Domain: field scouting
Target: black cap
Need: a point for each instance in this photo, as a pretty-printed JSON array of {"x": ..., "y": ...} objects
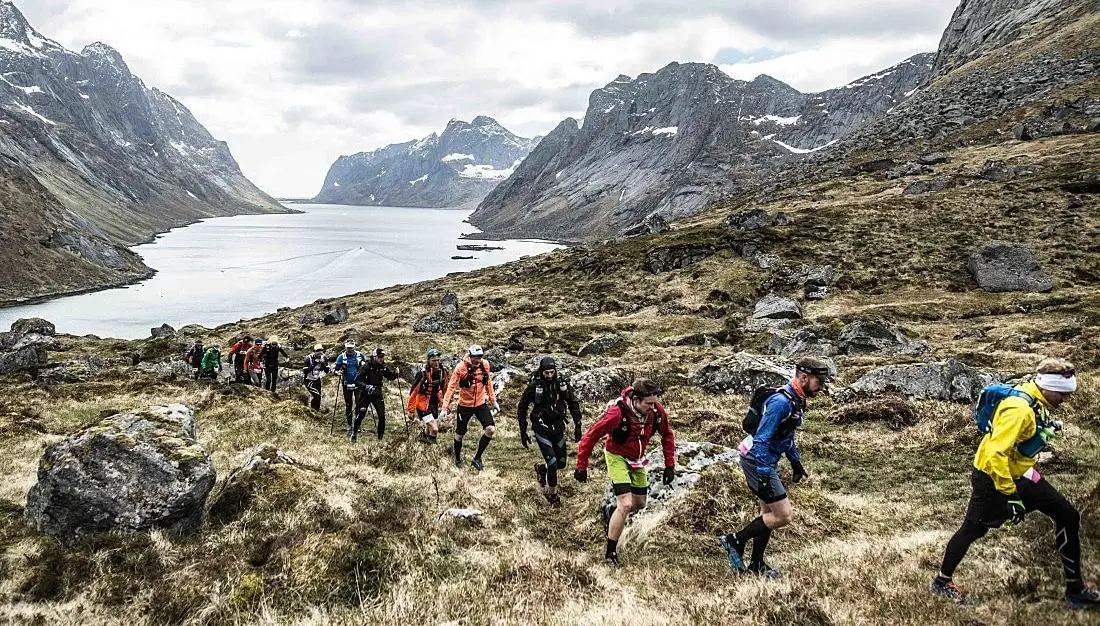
[
  {"x": 547, "y": 363},
  {"x": 813, "y": 366}
]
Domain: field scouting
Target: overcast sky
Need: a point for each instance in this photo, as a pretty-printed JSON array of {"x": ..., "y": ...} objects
[{"x": 292, "y": 84}]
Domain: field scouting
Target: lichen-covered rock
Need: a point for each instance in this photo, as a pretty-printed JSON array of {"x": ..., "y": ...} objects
[
  {"x": 164, "y": 331},
  {"x": 129, "y": 472},
  {"x": 952, "y": 381},
  {"x": 24, "y": 348},
  {"x": 602, "y": 345},
  {"x": 871, "y": 336},
  {"x": 775, "y": 307},
  {"x": 1001, "y": 266},
  {"x": 600, "y": 384},
  {"x": 741, "y": 373}
]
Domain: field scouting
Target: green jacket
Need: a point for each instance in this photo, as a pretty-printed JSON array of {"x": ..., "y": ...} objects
[{"x": 211, "y": 359}]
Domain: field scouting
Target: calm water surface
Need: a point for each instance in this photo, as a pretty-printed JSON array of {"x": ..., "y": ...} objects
[{"x": 226, "y": 269}]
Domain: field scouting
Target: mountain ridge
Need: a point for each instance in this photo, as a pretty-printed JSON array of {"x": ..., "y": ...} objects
[{"x": 455, "y": 168}]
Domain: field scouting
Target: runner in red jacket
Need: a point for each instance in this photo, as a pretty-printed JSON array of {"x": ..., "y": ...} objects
[{"x": 626, "y": 427}]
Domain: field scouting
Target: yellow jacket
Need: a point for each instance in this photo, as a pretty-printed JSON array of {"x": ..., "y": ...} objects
[{"x": 1013, "y": 423}]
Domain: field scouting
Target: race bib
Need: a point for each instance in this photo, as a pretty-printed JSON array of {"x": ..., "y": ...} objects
[
  {"x": 1033, "y": 475},
  {"x": 745, "y": 446},
  {"x": 638, "y": 463}
]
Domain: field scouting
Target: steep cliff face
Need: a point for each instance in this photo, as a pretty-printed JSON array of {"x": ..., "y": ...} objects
[
  {"x": 673, "y": 141},
  {"x": 95, "y": 161},
  {"x": 455, "y": 168},
  {"x": 980, "y": 26}
]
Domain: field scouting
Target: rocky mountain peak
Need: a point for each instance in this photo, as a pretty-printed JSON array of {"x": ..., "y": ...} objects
[
  {"x": 455, "y": 168},
  {"x": 979, "y": 26},
  {"x": 99, "y": 51},
  {"x": 15, "y": 28}
]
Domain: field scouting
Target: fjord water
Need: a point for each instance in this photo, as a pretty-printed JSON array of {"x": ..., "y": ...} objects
[{"x": 226, "y": 269}]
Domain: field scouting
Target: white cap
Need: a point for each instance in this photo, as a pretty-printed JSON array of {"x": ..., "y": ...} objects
[
  {"x": 476, "y": 350},
  {"x": 349, "y": 344}
]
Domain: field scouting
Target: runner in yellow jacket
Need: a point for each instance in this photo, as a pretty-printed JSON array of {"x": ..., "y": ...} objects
[{"x": 1006, "y": 486}]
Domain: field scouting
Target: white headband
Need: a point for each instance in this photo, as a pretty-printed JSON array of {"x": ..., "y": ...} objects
[{"x": 1056, "y": 382}]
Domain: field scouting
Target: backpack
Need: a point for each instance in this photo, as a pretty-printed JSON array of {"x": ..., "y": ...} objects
[
  {"x": 469, "y": 378},
  {"x": 760, "y": 396},
  {"x": 988, "y": 400},
  {"x": 426, "y": 381},
  {"x": 620, "y": 434}
]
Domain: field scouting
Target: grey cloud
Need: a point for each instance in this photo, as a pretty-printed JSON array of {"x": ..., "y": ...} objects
[
  {"x": 200, "y": 80},
  {"x": 729, "y": 56},
  {"x": 432, "y": 103},
  {"x": 334, "y": 53}
]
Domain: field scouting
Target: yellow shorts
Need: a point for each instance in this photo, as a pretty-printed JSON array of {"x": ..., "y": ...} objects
[{"x": 621, "y": 473}]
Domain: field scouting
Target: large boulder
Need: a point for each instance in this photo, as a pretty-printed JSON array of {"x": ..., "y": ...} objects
[
  {"x": 129, "y": 472},
  {"x": 653, "y": 224},
  {"x": 741, "y": 373},
  {"x": 870, "y": 336},
  {"x": 600, "y": 384},
  {"x": 1000, "y": 266},
  {"x": 602, "y": 345},
  {"x": 24, "y": 348},
  {"x": 809, "y": 341},
  {"x": 164, "y": 331},
  {"x": 952, "y": 381},
  {"x": 775, "y": 307},
  {"x": 750, "y": 219},
  {"x": 337, "y": 315},
  {"x": 33, "y": 326}
]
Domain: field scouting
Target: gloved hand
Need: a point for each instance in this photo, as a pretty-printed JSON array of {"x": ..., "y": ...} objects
[
  {"x": 443, "y": 415},
  {"x": 669, "y": 475},
  {"x": 350, "y": 386},
  {"x": 576, "y": 433},
  {"x": 524, "y": 440},
  {"x": 370, "y": 390},
  {"x": 1016, "y": 511},
  {"x": 580, "y": 475},
  {"x": 765, "y": 490},
  {"x": 496, "y": 409},
  {"x": 799, "y": 472}
]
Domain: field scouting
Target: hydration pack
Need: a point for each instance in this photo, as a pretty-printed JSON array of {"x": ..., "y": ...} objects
[
  {"x": 427, "y": 380},
  {"x": 990, "y": 398},
  {"x": 470, "y": 378},
  {"x": 751, "y": 423},
  {"x": 622, "y": 433}
]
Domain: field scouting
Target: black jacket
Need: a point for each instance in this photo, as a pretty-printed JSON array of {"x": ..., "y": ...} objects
[
  {"x": 270, "y": 356},
  {"x": 372, "y": 374},
  {"x": 194, "y": 356},
  {"x": 551, "y": 399}
]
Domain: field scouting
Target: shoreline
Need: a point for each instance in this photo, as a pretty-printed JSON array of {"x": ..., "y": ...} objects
[{"x": 126, "y": 282}]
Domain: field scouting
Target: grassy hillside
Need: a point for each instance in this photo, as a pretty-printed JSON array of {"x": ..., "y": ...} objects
[{"x": 351, "y": 536}]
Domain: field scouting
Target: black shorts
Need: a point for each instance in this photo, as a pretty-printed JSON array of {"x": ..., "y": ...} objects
[
  {"x": 430, "y": 415},
  {"x": 621, "y": 489},
  {"x": 989, "y": 507},
  {"x": 482, "y": 413}
]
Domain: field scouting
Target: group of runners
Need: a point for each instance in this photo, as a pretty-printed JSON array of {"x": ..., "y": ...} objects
[{"x": 1005, "y": 484}]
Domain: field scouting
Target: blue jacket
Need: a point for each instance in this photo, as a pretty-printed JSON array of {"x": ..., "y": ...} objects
[
  {"x": 350, "y": 366},
  {"x": 775, "y": 435}
]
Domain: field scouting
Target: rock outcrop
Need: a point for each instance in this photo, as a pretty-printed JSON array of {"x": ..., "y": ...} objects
[
  {"x": 741, "y": 373},
  {"x": 1001, "y": 266},
  {"x": 130, "y": 472},
  {"x": 445, "y": 321},
  {"x": 455, "y": 168},
  {"x": 952, "y": 381},
  {"x": 24, "y": 347}
]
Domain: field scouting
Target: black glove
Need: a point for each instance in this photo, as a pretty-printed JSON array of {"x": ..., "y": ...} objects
[
  {"x": 370, "y": 390},
  {"x": 580, "y": 475},
  {"x": 576, "y": 432},
  {"x": 524, "y": 440},
  {"x": 1016, "y": 510},
  {"x": 765, "y": 489},
  {"x": 799, "y": 472},
  {"x": 669, "y": 475}
]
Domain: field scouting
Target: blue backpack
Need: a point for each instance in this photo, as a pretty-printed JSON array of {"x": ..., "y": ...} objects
[{"x": 988, "y": 400}]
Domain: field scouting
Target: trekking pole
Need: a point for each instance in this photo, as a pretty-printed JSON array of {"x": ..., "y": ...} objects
[
  {"x": 335, "y": 401},
  {"x": 401, "y": 397}
]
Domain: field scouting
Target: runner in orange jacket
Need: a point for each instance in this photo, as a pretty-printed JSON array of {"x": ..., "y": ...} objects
[
  {"x": 426, "y": 395},
  {"x": 473, "y": 381}
]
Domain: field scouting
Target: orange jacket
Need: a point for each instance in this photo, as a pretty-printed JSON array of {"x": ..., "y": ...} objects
[
  {"x": 475, "y": 388},
  {"x": 252, "y": 360},
  {"x": 428, "y": 386}
]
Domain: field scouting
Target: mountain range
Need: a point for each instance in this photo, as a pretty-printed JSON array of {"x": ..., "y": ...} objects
[
  {"x": 455, "y": 168},
  {"x": 673, "y": 141},
  {"x": 93, "y": 161}
]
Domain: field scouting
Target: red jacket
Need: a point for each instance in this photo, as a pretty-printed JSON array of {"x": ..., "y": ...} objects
[{"x": 638, "y": 438}]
